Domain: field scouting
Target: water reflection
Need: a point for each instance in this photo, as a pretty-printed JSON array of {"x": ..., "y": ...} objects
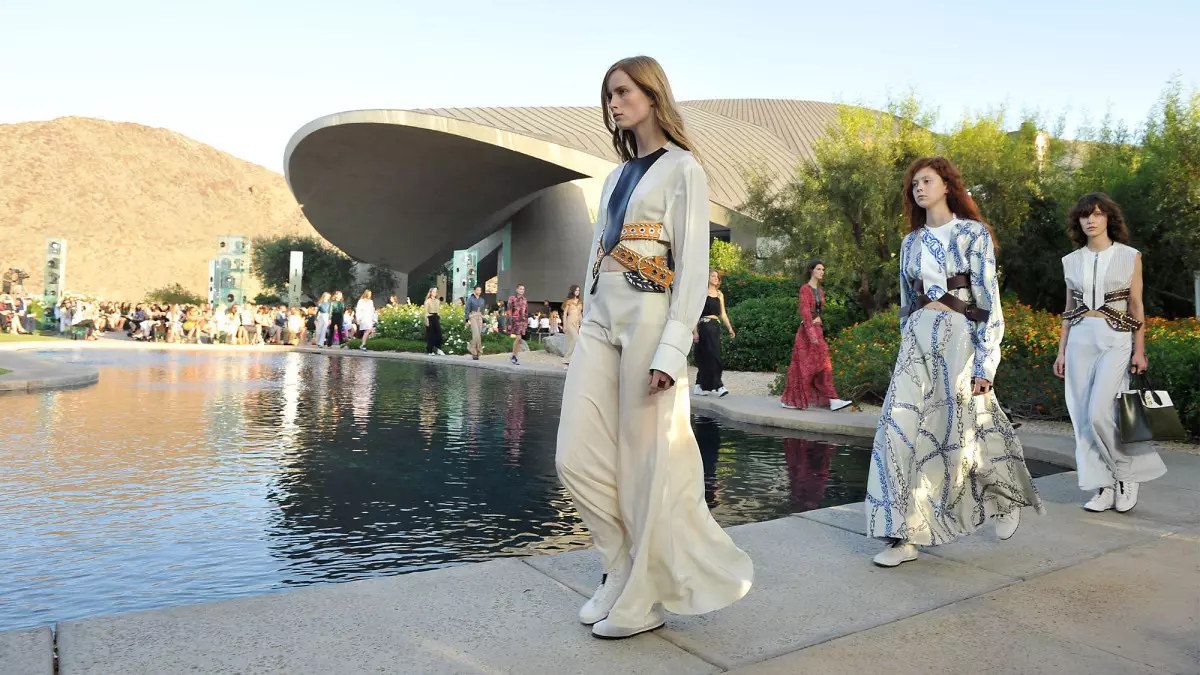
[{"x": 187, "y": 476}]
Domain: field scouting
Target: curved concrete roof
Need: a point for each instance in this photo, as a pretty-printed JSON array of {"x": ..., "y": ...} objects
[{"x": 446, "y": 177}]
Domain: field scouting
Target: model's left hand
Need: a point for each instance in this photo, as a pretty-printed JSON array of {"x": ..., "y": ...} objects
[
  {"x": 660, "y": 382},
  {"x": 732, "y": 334},
  {"x": 980, "y": 386},
  {"x": 1138, "y": 364}
]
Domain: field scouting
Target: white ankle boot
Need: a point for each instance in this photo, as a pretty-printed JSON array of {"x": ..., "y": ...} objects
[
  {"x": 607, "y": 631},
  {"x": 1006, "y": 525},
  {"x": 1103, "y": 500},
  {"x": 602, "y": 601},
  {"x": 896, "y": 554},
  {"x": 1126, "y": 496}
]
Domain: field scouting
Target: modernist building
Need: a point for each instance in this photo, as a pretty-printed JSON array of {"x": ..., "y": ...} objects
[{"x": 520, "y": 187}]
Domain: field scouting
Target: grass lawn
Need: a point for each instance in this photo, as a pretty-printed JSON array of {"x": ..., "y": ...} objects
[{"x": 9, "y": 337}]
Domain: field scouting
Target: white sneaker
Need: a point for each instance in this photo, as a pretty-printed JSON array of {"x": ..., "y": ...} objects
[
  {"x": 1103, "y": 500},
  {"x": 698, "y": 391},
  {"x": 896, "y": 554},
  {"x": 1006, "y": 525},
  {"x": 836, "y": 404},
  {"x": 602, "y": 601},
  {"x": 721, "y": 391},
  {"x": 607, "y": 631},
  {"x": 441, "y": 353},
  {"x": 1126, "y": 496},
  {"x": 789, "y": 407}
]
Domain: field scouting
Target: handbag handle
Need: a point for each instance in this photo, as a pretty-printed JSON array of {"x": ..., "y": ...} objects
[{"x": 1143, "y": 384}]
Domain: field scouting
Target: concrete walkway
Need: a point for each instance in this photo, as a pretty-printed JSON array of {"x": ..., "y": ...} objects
[
  {"x": 34, "y": 374},
  {"x": 1072, "y": 592}
]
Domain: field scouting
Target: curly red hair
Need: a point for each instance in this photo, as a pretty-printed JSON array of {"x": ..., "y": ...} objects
[{"x": 957, "y": 198}]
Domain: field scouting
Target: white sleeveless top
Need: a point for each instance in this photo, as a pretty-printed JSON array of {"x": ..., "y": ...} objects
[{"x": 1094, "y": 274}]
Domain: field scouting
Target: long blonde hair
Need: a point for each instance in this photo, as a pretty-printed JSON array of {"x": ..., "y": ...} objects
[{"x": 647, "y": 74}]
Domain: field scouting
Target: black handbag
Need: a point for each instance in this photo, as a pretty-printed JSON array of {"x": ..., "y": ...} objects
[{"x": 1147, "y": 414}]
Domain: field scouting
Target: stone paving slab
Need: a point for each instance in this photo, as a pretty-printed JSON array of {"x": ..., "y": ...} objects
[
  {"x": 1065, "y": 535},
  {"x": 495, "y": 617},
  {"x": 849, "y": 517},
  {"x": 1142, "y": 603},
  {"x": 1158, "y": 501},
  {"x": 30, "y": 373},
  {"x": 812, "y": 583},
  {"x": 961, "y": 638},
  {"x": 1183, "y": 471},
  {"x": 27, "y": 652},
  {"x": 767, "y": 412}
]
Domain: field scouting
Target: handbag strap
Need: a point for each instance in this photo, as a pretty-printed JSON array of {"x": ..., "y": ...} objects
[{"x": 1142, "y": 383}]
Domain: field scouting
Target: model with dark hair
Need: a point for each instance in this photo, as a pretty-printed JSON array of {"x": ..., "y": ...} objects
[
  {"x": 707, "y": 336},
  {"x": 1103, "y": 341},
  {"x": 626, "y": 451},
  {"x": 810, "y": 374},
  {"x": 945, "y": 457}
]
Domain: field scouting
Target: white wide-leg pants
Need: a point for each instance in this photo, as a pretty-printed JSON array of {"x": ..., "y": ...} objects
[
  {"x": 1098, "y": 370},
  {"x": 633, "y": 468},
  {"x": 322, "y": 328}
]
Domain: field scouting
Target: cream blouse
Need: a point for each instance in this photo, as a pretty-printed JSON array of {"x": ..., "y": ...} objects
[{"x": 673, "y": 192}]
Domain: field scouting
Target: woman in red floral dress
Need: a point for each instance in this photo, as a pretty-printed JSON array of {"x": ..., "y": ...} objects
[{"x": 810, "y": 376}]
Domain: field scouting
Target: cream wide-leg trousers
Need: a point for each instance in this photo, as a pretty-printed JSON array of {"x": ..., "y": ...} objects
[
  {"x": 1097, "y": 370},
  {"x": 633, "y": 468}
]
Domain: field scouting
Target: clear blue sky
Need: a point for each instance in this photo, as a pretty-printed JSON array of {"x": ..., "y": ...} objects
[{"x": 243, "y": 76}]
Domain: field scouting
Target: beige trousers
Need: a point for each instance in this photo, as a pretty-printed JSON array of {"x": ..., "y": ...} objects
[
  {"x": 571, "y": 328},
  {"x": 476, "y": 323},
  {"x": 633, "y": 468}
]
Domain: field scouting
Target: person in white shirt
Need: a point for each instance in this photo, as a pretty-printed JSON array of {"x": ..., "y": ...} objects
[
  {"x": 364, "y": 311},
  {"x": 626, "y": 452},
  {"x": 1103, "y": 343},
  {"x": 945, "y": 459}
]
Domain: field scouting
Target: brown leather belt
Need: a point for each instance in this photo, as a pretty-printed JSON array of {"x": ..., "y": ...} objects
[
  {"x": 648, "y": 272},
  {"x": 1117, "y": 320},
  {"x": 954, "y": 304}
]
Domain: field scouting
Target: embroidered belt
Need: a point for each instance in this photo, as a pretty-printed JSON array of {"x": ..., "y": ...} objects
[
  {"x": 652, "y": 274},
  {"x": 1117, "y": 320},
  {"x": 952, "y": 283}
]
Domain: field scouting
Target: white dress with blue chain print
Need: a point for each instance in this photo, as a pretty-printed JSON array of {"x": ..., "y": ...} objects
[{"x": 944, "y": 461}]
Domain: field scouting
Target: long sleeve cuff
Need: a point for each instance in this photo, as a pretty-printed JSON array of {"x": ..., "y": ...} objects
[{"x": 671, "y": 355}]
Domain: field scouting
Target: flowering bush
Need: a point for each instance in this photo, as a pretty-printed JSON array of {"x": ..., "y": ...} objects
[
  {"x": 407, "y": 323},
  {"x": 865, "y": 354}
]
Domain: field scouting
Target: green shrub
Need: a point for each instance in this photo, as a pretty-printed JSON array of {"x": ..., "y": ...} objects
[
  {"x": 272, "y": 299},
  {"x": 766, "y": 329},
  {"x": 864, "y": 356},
  {"x": 741, "y": 286},
  {"x": 174, "y": 294}
]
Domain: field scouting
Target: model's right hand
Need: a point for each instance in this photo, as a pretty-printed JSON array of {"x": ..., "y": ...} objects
[{"x": 1060, "y": 367}]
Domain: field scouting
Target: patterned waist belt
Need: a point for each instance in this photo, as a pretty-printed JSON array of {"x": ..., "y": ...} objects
[
  {"x": 1117, "y": 320},
  {"x": 955, "y": 304},
  {"x": 646, "y": 272}
]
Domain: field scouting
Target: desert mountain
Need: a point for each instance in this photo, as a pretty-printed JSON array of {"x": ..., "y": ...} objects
[{"x": 140, "y": 208}]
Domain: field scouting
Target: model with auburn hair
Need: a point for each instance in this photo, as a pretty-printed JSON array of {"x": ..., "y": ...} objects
[
  {"x": 626, "y": 451},
  {"x": 1103, "y": 341},
  {"x": 945, "y": 457}
]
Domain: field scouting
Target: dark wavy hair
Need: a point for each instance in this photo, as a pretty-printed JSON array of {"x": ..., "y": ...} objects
[
  {"x": 812, "y": 265},
  {"x": 957, "y": 198},
  {"x": 1117, "y": 230}
]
